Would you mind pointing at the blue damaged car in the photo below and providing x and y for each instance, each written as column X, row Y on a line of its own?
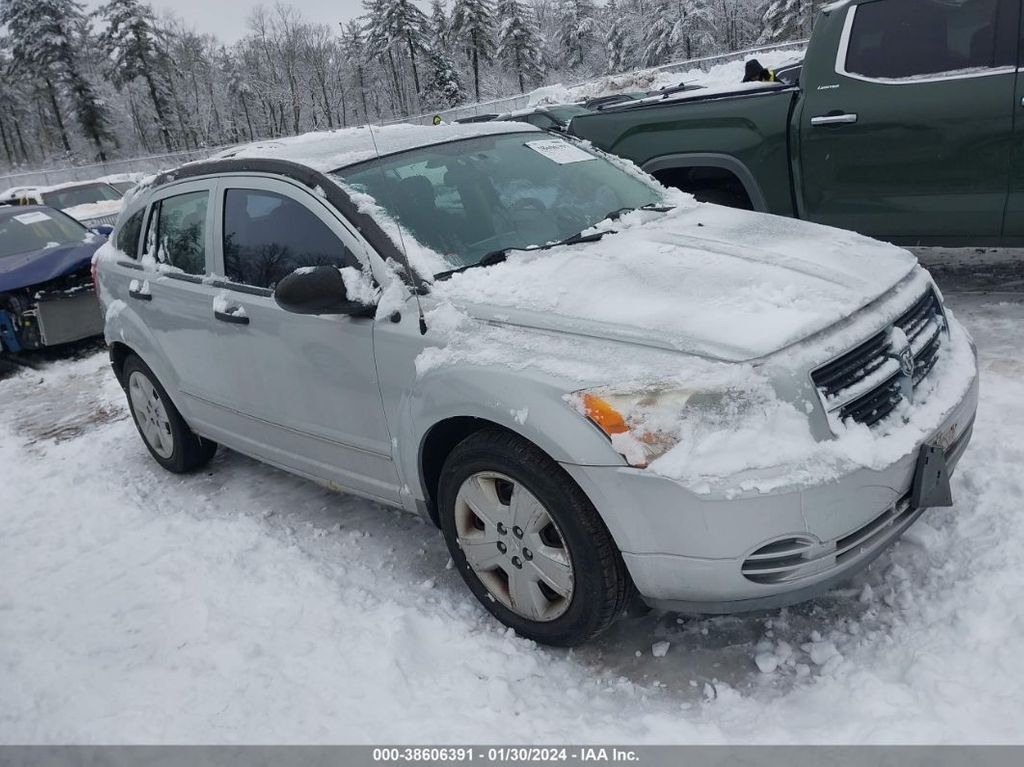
column 46, row 285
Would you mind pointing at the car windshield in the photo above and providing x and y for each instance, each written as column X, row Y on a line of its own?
column 470, row 198
column 26, row 231
column 71, row 196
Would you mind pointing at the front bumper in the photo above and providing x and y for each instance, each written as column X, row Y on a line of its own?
column 687, row 552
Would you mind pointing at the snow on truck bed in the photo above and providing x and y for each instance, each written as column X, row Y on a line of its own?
column 242, row 605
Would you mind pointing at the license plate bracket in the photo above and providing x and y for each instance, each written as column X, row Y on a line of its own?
column 931, row 479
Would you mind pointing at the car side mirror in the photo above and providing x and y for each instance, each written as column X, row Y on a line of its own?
column 318, row 290
column 103, row 230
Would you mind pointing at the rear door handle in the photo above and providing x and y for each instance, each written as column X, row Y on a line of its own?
column 232, row 314
column 846, row 119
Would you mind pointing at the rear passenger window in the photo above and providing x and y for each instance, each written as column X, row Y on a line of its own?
column 127, row 240
column 177, row 232
column 913, row 38
column 267, row 236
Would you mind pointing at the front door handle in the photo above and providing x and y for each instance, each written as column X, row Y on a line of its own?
column 846, row 119
column 140, row 290
column 232, row 314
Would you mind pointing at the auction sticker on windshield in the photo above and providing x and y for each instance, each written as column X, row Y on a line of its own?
column 32, row 218
column 560, row 151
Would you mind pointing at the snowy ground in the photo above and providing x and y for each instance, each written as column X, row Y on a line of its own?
column 245, row 605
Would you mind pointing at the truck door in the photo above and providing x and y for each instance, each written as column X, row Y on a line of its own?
column 909, row 137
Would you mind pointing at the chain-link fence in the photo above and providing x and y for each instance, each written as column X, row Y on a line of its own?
column 147, row 164
column 153, row 163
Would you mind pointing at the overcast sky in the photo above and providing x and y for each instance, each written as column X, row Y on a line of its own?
column 226, row 18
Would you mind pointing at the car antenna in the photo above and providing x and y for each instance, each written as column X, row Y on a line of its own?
column 417, row 283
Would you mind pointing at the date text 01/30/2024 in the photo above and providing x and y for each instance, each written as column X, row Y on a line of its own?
column 500, row 754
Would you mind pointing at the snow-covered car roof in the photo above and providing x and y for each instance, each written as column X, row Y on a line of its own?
column 20, row 191
column 117, row 178
column 16, row 192
column 325, row 151
column 68, row 185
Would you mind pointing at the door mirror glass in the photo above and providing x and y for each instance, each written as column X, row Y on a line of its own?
column 318, row 290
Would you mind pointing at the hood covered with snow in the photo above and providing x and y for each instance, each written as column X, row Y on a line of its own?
column 721, row 283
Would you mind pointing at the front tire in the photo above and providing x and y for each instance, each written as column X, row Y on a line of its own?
column 166, row 435
column 528, row 542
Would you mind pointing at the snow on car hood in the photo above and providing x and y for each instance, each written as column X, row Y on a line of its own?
column 727, row 284
column 90, row 210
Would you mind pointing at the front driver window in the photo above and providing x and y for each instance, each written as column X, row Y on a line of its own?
column 267, row 236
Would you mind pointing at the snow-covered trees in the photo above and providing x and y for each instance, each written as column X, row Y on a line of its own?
column 42, row 44
column 443, row 86
column 518, row 46
column 615, row 38
column 395, row 32
column 680, row 29
column 472, row 28
column 134, row 53
column 577, row 32
column 76, row 87
column 788, row 19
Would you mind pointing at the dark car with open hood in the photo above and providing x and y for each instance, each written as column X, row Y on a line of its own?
column 46, row 286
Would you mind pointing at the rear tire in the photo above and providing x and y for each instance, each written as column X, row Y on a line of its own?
column 528, row 542
column 164, row 432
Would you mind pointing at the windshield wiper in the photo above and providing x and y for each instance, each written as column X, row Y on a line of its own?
column 497, row 256
column 489, row 259
column 652, row 206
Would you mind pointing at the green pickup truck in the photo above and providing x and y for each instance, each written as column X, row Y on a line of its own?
column 907, row 125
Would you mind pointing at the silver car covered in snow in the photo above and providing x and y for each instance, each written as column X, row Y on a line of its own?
column 595, row 386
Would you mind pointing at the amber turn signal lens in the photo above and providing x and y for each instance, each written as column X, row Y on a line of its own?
column 604, row 415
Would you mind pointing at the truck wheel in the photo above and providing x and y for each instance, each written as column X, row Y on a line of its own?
column 528, row 542
column 166, row 435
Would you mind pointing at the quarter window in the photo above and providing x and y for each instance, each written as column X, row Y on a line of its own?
column 128, row 234
column 177, row 232
column 913, row 38
column 267, row 236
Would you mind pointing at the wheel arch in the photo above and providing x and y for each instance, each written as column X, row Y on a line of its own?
column 726, row 163
column 437, row 444
column 119, row 352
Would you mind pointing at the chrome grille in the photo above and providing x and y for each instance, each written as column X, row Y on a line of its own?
column 867, row 383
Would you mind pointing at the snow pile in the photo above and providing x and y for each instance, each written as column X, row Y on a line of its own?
column 717, row 79
column 242, row 605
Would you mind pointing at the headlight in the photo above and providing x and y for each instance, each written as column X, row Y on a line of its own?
column 645, row 424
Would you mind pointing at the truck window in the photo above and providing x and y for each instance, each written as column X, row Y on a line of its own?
column 893, row 39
